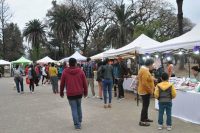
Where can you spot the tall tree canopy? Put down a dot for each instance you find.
(34, 33)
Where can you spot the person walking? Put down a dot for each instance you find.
(116, 76)
(31, 76)
(99, 80)
(145, 89)
(123, 71)
(107, 81)
(53, 73)
(19, 79)
(73, 78)
(165, 92)
(44, 74)
(89, 72)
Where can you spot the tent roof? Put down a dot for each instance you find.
(101, 55)
(139, 44)
(3, 62)
(22, 60)
(46, 59)
(186, 41)
(77, 56)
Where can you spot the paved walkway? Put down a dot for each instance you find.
(45, 112)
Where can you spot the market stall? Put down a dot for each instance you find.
(186, 41)
(46, 60)
(5, 68)
(22, 60)
(137, 46)
(77, 56)
(101, 55)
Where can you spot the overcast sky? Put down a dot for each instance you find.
(26, 10)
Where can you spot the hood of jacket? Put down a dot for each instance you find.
(164, 85)
(73, 70)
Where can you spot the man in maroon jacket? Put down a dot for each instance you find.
(76, 85)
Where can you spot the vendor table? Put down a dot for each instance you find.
(186, 106)
(126, 84)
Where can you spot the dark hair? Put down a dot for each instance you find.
(149, 62)
(88, 59)
(31, 66)
(169, 62)
(100, 63)
(17, 66)
(106, 61)
(196, 68)
(52, 64)
(72, 62)
(165, 76)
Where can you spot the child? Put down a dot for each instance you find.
(165, 92)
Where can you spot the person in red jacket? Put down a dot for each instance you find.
(76, 86)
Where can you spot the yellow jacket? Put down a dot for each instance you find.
(164, 85)
(146, 81)
(53, 71)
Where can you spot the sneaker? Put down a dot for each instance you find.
(105, 106)
(94, 97)
(77, 128)
(160, 127)
(145, 124)
(109, 105)
(148, 120)
(169, 128)
(22, 92)
(32, 92)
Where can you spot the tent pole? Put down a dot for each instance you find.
(161, 59)
(138, 67)
(189, 64)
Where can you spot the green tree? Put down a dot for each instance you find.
(121, 28)
(64, 22)
(13, 41)
(5, 16)
(34, 33)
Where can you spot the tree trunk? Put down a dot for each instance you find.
(180, 27)
(180, 16)
(182, 62)
(85, 42)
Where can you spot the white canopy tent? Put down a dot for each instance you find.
(77, 56)
(101, 55)
(3, 62)
(186, 41)
(46, 60)
(138, 45)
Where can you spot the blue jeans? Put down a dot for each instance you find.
(107, 87)
(162, 107)
(19, 81)
(76, 112)
(54, 83)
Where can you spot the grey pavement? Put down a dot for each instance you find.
(45, 112)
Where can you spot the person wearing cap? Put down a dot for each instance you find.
(145, 90)
(195, 71)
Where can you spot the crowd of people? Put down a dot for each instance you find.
(77, 78)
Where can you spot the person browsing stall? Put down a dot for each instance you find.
(145, 89)
(165, 92)
(195, 71)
